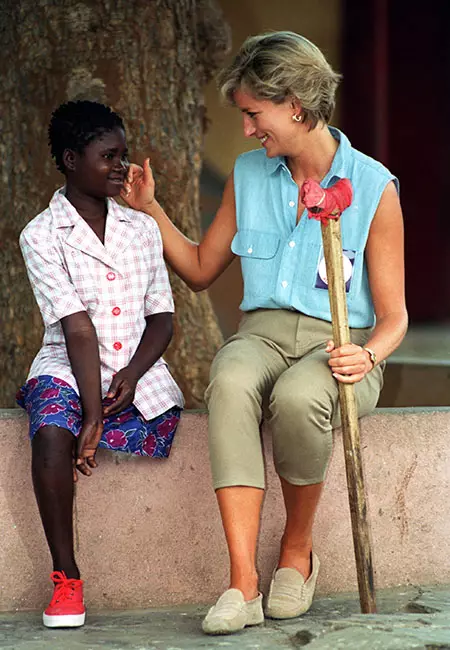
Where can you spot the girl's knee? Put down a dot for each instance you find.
(52, 439)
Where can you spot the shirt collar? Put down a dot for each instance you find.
(65, 214)
(338, 166)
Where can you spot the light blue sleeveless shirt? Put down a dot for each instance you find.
(282, 261)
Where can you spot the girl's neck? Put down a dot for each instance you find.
(88, 207)
(314, 156)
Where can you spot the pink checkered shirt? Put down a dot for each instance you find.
(118, 284)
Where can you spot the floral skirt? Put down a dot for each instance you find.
(50, 401)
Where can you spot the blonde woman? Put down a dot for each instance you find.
(283, 354)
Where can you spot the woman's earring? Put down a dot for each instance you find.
(297, 118)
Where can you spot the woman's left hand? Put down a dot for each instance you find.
(139, 187)
(350, 363)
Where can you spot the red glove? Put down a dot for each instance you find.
(324, 204)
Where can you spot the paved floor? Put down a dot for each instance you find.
(409, 618)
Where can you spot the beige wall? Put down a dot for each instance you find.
(318, 20)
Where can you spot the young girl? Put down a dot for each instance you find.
(98, 276)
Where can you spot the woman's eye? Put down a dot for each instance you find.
(252, 115)
(108, 156)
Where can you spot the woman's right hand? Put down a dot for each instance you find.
(87, 443)
(139, 187)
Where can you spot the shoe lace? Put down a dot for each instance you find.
(64, 587)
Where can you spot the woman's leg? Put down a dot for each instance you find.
(52, 472)
(240, 509)
(243, 371)
(301, 503)
(304, 408)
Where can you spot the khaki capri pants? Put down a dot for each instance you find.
(277, 362)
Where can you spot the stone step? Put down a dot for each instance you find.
(149, 534)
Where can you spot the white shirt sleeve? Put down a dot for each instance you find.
(53, 289)
(158, 297)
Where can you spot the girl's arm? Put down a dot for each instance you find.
(84, 357)
(385, 263)
(198, 264)
(154, 341)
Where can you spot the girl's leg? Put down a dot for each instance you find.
(52, 472)
(240, 509)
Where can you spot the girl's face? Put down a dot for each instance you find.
(100, 170)
(270, 123)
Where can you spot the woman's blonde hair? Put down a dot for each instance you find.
(279, 65)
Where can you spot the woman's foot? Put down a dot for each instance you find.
(290, 595)
(232, 613)
(296, 559)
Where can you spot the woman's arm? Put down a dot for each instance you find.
(198, 264)
(385, 263)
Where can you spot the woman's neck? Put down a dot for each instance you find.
(314, 155)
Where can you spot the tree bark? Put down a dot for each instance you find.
(148, 60)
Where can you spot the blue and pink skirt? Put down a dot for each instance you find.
(50, 401)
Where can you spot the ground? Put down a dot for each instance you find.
(409, 618)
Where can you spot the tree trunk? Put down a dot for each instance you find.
(149, 60)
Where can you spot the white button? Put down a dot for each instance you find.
(250, 251)
(284, 284)
(292, 244)
(291, 204)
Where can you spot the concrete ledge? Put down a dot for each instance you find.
(149, 533)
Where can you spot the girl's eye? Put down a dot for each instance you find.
(108, 156)
(251, 115)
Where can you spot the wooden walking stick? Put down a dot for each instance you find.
(327, 205)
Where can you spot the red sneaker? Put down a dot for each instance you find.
(66, 608)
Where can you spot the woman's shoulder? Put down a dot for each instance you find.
(370, 164)
(251, 161)
(253, 154)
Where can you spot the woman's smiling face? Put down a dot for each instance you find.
(270, 123)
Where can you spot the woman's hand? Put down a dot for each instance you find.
(121, 392)
(87, 443)
(139, 187)
(350, 363)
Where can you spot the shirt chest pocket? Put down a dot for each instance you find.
(254, 244)
(258, 252)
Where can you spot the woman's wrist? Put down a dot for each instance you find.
(372, 357)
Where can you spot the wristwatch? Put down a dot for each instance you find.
(372, 355)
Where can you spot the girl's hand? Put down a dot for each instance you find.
(139, 187)
(87, 444)
(121, 392)
(350, 363)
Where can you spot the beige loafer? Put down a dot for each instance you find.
(232, 613)
(289, 594)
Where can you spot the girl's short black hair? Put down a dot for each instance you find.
(74, 125)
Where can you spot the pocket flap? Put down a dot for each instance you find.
(254, 243)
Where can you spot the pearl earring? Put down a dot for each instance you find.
(297, 118)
